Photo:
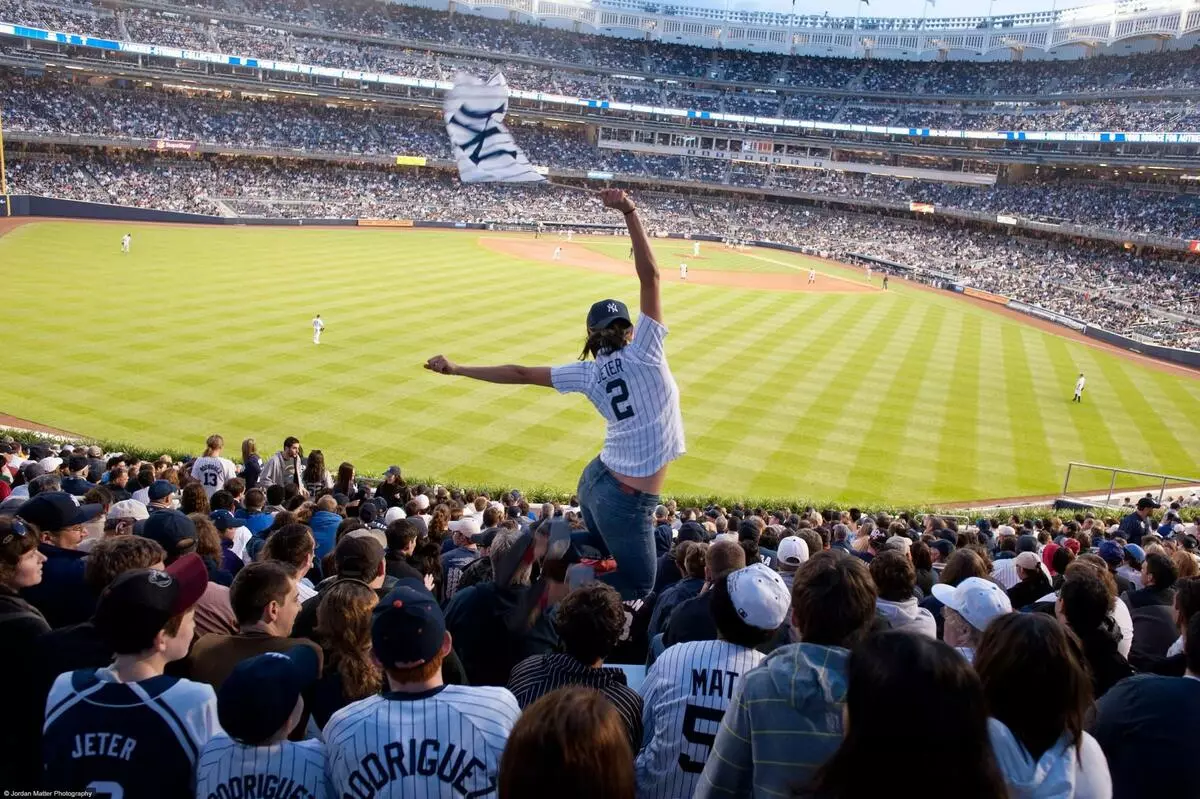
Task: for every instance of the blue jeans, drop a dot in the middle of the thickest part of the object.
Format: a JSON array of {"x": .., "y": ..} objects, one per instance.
[{"x": 620, "y": 524}]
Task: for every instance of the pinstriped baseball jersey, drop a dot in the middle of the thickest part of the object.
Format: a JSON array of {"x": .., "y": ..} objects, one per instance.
[
  {"x": 634, "y": 391},
  {"x": 286, "y": 770},
  {"x": 125, "y": 740},
  {"x": 685, "y": 695},
  {"x": 442, "y": 743}
]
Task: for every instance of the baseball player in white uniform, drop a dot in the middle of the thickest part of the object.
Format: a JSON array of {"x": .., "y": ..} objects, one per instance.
[
  {"x": 695, "y": 249},
  {"x": 212, "y": 470},
  {"x": 570, "y": 235},
  {"x": 688, "y": 688},
  {"x": 683, "y": 271},
  {"x": 126, "y": 240},
  {"x": 318, "y": 326},
  {"x": 420, "y": 738},
  {"x": 812, "y": 276},
  {"x": 258, "y": 705},
  {"x": 557, "y": 253},
  {"x": 631, "y": 385},
  {"x": 1079, "y": 384}
]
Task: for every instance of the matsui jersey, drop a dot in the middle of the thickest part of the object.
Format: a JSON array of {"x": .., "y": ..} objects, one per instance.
[
  {"x": 636, "y": 394},
  {"x": 685, "y": 696},
  {"x": 286, "y": 770},
  {"x": 441, "y": 743},
  {"x": 125, "y": 740},
  {"x": 213, "y": 473}
]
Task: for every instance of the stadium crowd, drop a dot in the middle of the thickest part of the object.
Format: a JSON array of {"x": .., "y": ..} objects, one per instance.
[
  {"x": 50, "y": 107},
  {"x": 674, "y": 71},
  {"x": 212, "y": 629},
  {"x": 1150, "y": 298}
]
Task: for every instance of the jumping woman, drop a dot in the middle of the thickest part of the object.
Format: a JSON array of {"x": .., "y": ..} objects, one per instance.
[{"x": 630, "y": 384}]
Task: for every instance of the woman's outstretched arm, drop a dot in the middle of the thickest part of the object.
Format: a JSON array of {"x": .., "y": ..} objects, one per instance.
[{"x": 508, "y": 373}]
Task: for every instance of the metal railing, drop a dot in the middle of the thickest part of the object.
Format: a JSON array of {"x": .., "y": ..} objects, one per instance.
[{"x": 1163, "y": 480}]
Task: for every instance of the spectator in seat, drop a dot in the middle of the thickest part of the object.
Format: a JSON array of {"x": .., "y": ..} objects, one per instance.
[
  {"x": 589, "y": 622},
  {"x": 76, "y": 482},
  {"x": 264, "y": 602},
  {"x": 664, "y": 535},
  {"x": 969, "y": 608},
  {"x": 793, "y": 552},
  {"x": 961, "y": 564},
  {"x": 392, "y": 487},
  {"x": 157, "y": 723},
  {"x": 670, "y": 566},
  {"x": 1151, "y": 713},
  {"x": 693, "y": 620},
  {"x": 749, "y": 605},
  {"x": 465, "y": 551},
  {"x": 1131, "y": 567},
  {"x": 62, "y": 595},
  {"x": 344, "y": 631},
  {"x": 401, "y": 544},
  {"x": 1113, "y": 556},
  {"x": 259, "y": 704},
  {"x": 479, "y": 618},
  {"x": 358, "y": 558},
  {"x": 897, "y": 606},
  {"x": 210, "y": 550},
  {"x": 252, "y": 514},
  {"x": 1083, "y": 605},
  {"x": 1038, "y": 694},
  {"x": 694, "y": 562},
  {"x": 1137, "y": 524},
  {"x": 788, "y": 718},
  {"x": 409, "y": 638},
  {"x": 316, "y": 477},
  {"x": 324, "y": 524},
  {"x": 284, "y": 467},
  {"x": 193, "y": 499},
  {"x": 229, "y": 528},
  {"x": 252, "y": 464},
  {"x": 294, "y": 547},
  {"x": 1033, "y": 585},
  {"x": 568, "y": 743},
  {"x": 21, "y": 626},
  {"x": 1152, "y": 608}
]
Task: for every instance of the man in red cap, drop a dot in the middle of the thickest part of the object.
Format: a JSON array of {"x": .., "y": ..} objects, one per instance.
[{"x": 127, "y": 729}]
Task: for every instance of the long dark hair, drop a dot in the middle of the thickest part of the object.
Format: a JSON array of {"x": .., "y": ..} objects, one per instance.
[
  {"x": 605, "y": 340},
  {"x": 1034, "y": 679},
  {"x": 314, "y": 470},
  {"x": 344, "y": 483},
  {"x": 904, "y": 691}
]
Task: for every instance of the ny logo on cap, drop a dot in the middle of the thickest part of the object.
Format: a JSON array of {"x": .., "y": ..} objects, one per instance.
[
  {"x": 159, "y": 579},
  {"x": 612, "y": 308}
]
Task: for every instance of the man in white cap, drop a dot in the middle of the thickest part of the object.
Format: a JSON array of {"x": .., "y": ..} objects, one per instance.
[
  {"x": 464, "y": 553},
  {"x": 120, "y": 520},
  {"x": 688, "y": 689},
  {"x": 969, "y": 608},
  {"x": 792, "y": 552}
]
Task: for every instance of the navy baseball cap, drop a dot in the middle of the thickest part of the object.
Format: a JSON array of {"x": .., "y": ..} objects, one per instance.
[
  {"x": 407, "y": 625},
  {"x": 224, "y": 520},
  {"x": 52, "y": 511},
  {"x": 259, "y": 695},
  {"x": 1136, "y": 552},
  {"x": 605, "y": 312},
  {"x": 173, "y": 531},
  {"x": 139, "y": 603},
  {"x": 1111, "y": 552},
  {"x": 1027, "y": 543},
  {"x": 160, "y": 489},
  {"x": 691, "y": 531}
]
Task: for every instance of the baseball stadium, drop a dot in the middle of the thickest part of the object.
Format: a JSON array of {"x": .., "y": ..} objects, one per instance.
[{"x": 599, "y": 398}]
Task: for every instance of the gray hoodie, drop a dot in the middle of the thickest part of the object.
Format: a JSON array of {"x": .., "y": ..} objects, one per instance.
[
  {"x": 907, "y": 616},
  {"x": 1057, "y": 774}
]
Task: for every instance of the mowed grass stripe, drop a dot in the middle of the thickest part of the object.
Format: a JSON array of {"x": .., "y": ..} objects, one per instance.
[
  {"x": 1027, "y": 432},
  {"x": 958, "y": 447}
]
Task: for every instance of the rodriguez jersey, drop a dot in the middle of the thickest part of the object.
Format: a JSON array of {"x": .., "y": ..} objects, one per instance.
[
  {"x": 442, "y": 743},
  {"x": 286, "y": 770},
  {"x": 634, "y": 391},
  {"x": 213, "y": 473}
]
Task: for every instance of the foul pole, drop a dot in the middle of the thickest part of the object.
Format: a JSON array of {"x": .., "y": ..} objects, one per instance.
[{"x": 3, "y": 171}]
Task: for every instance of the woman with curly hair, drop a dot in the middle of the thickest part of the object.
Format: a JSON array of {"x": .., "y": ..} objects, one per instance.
[
  {"x": 344, "y": 631},
  {"x": 194, "y": 500}
]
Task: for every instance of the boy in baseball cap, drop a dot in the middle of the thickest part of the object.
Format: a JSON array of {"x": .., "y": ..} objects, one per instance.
[
  {"x": 259, "y": 703},
  {"x": 62, "y": 596},
  {"x": 418, "y": 719},
  {"x": 970, "y": 607},
  {"x": 748, "y": 605},
  {"x": 129, "y": 724}
]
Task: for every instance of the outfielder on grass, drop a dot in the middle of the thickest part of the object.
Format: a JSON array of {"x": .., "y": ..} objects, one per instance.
[{"x": 630, "y": 384}]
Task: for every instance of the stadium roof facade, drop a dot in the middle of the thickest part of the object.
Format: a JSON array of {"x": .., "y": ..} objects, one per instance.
[{"x": 1116, "y": 28}]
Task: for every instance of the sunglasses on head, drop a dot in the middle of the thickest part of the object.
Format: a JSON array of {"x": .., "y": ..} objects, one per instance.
[{"x": 18, "y": 528}]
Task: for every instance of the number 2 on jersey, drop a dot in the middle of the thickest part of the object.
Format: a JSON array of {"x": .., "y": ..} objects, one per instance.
[
  {"x": 620, "y": 399},
  {"x": 692, "y": 715}
]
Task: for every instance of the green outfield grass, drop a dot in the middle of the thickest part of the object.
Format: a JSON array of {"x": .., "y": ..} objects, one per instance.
[
  {"x": 715, "y": 257},
  {"x": 904, "y": 396}
]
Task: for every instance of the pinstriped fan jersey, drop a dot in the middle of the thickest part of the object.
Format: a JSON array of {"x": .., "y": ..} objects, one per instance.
[{"x": 635, "y": 392}]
